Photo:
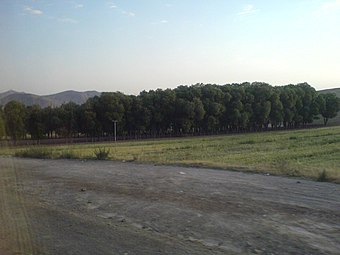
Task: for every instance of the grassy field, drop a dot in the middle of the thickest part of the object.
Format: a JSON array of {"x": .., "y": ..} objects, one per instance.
[{"x": 306, "y": 153}]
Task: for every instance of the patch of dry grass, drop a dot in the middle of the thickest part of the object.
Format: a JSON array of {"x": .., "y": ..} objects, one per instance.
[{"x": 303, "y": 153}]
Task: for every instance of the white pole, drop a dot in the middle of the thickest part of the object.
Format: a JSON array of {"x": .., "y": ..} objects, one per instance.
[{"x": 115, "y": 129}]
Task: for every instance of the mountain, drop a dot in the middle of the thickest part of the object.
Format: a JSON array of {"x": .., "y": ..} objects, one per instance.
[
  {"x": 7, "y": 93},
  {"x": 72, "y": 96},
  {"x": 48, "y": 100}
]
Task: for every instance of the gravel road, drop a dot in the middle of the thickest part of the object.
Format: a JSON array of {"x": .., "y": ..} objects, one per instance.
[{"x": 104, "y": 207}]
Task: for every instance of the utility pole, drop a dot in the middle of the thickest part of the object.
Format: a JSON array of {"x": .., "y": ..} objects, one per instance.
[{"x": 115, "y": 129}]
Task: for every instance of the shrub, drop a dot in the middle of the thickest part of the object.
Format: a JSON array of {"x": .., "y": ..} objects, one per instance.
[
  {"x": 34, "y": 153},
  {"x": 248, "y": 142},
  {"x": 68, "y": 155},
  {"x": 102, "y": 153},
  {"x": 323, "y": 176}
]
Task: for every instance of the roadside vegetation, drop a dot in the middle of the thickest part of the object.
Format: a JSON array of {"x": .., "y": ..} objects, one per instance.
[
  {"x": 312, "y": 153},
  {"x": 190, "y": 111}
]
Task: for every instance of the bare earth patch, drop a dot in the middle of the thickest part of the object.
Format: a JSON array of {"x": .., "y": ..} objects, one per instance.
[{"x": 91, "y": 207}]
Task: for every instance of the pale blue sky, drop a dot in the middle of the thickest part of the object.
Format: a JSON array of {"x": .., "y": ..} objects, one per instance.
[{"x": 129, "y": 46}]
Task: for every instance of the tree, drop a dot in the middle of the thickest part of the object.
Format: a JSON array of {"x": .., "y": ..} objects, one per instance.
[
  {"x": 185, "y": 109},
  {"x": 262, "y": 93},
  {"x": 154, "y": 108},
  {"x": 67, "y": 115},
  {"x": 276, "y": 113},
  {"x": 307, "y": 95},
  {"x": 87, "y": 121},
  {"x": 167, "y": 108},
  {"x": 331, "y": 106},
  {"x": 138, "y": 117},
  {"x": 199, "y": 112},
  {"x": 2, "y": 124},
  {"x": 288, "y": 98},
  {"x": 235, "y": 108},
  {"x": 51, "y": 120},
  {"x": 15, "y": 119},
  {"x": 214, "y": 106},
  {"x": 34, "y": 121},
  {"x": 108, "y": 107},
  {"x": 184, "y": 115}
]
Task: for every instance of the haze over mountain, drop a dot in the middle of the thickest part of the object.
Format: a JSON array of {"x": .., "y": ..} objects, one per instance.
[{"x": 53, "y": 100}]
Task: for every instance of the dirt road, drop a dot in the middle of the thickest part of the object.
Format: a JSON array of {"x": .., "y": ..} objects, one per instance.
[{"x": 102, "y": 207}]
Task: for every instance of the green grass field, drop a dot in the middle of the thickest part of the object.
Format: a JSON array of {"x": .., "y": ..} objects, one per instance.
[{"x": 305, "y": 153}]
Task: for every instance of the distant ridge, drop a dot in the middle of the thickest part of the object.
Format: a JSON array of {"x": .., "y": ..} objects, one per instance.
[
  {"x": 53, "y": 100},
  {"x": 7, "y": 93},
  {"x": 335, "y": 91}
]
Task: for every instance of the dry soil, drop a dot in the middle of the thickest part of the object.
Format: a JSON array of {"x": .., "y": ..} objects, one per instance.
[{"x": 105, "y": 207}]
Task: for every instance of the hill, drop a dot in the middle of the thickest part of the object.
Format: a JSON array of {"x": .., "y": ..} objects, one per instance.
[
  {"x": 72, "y": 96},
  {"x": 335, "y": 91},
  {"x": 7, "y": 93},
  {"x": 53, "y": 100}
]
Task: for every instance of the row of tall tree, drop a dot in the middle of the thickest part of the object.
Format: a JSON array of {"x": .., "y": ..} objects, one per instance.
[{"x": 200, "y": 108}]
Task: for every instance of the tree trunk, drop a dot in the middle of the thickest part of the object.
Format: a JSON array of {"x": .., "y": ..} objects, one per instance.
[{"x": 325, "y": 120}]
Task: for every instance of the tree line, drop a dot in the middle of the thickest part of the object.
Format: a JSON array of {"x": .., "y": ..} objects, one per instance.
[{"x": 196, "y": 109}]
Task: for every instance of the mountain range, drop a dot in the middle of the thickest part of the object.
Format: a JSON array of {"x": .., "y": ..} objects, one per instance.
[{"x": 53, "y": 100}]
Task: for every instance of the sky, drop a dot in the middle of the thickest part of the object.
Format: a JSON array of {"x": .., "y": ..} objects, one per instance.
[{"x": 134, "y": 45}]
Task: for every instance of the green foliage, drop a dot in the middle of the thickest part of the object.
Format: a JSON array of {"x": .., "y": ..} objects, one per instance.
[
  {"x": 15, "y": 115},
  {"x": 196, "y": 109},
  {"x": 248, "y": 142},
  {"x": 68, "y": 154},
  {"x": 51, "y": 121},
  {"x": 102, "y": 153},
  {"x": 329, "y": 106},
  {"x": 69, "y": 120},
  {"x": 2, "y": 124},
  {"x": 323, "y": 176},
  {"x": 34, "y": 121},
  {"x": 34, "y": 152}
]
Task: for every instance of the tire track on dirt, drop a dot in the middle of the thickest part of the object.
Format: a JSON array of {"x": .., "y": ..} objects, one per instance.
[
  {"x": 15, "y": 231},
  {"x": 100, "y": 207}
]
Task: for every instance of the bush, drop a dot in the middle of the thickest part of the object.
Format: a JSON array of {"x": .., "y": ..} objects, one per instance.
[
  {"x": 323, "y": 176},
  {"x": 34, "y": 153},
  {"x": 102, "y": 153},
  {"x": 248, "y": 142},
  {"x": 68, "y": 155}
]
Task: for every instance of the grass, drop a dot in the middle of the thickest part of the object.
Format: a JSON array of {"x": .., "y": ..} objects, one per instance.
[
  {"x": 304, "y": 153},
  {"x": 323, "y": 177},
  {"x": 34, "y": 153},
  {"x": 102, "y": 153}
]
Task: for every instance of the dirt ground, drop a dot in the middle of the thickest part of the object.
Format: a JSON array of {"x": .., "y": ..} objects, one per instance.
[{"x": 103, "y": 207}]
